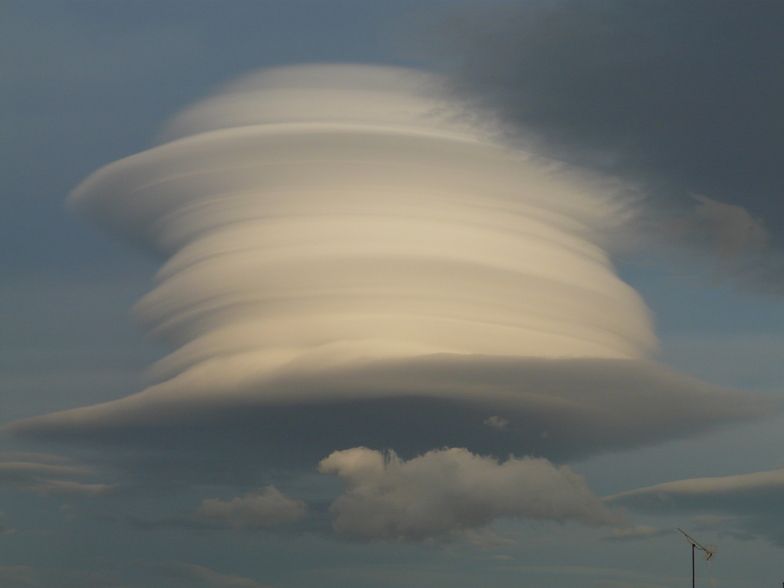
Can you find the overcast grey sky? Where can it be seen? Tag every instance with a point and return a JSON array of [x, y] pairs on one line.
[[674, 108]]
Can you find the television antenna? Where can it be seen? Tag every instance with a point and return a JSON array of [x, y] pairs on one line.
[[710, 551]]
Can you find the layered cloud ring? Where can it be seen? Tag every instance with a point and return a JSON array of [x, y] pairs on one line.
[[351, 259]]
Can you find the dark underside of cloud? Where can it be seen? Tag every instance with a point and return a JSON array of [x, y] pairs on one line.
[[681, 97], [559, 409]]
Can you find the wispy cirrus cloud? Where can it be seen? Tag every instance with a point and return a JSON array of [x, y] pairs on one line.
[[50, 475]]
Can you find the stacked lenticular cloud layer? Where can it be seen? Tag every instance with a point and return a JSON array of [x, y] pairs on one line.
[[333, 211], [340, 236]]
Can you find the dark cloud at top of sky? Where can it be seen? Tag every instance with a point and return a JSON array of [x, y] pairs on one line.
[[678, 97]]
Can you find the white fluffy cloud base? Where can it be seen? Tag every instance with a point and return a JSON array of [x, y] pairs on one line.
[[443, 493]]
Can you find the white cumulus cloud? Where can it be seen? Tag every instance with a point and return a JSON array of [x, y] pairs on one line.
[[449, 491]]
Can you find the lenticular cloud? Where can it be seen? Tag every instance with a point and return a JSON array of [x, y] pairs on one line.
[[334, 213], [352, 259]]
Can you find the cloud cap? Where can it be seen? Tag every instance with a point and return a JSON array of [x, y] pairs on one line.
[[389, 266]]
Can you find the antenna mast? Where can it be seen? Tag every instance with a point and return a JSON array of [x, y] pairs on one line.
[[710, 551]]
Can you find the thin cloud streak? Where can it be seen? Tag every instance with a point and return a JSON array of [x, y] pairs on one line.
[[754, 501], [50, 475]]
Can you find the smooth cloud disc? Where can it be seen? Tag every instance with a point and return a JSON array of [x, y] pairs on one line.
[[342, 236]]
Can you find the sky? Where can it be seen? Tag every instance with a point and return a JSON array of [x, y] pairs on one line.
[[395, 294]]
